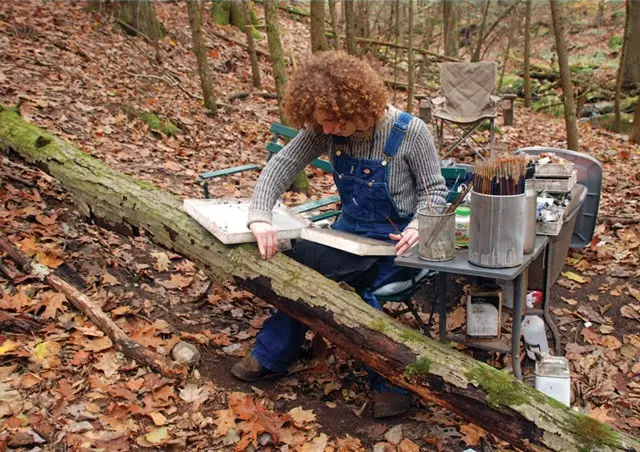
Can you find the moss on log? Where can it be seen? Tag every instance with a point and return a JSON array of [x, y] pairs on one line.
[[479, 393]]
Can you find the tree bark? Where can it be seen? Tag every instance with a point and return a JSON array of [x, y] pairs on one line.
[[411, 69], [350, 27], [527, 56], [490, 398], [557, 16], [631, 72], [138, 17], [634, 132], [476, 51], [615, 127], [195, 23], [318, 40], [251, 47], [276, 54], [450, 28], [334, 24]]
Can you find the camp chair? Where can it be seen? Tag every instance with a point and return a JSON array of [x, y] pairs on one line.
[[467, 100]]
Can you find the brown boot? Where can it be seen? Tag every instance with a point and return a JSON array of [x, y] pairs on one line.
[[249, 369], [388, 404]]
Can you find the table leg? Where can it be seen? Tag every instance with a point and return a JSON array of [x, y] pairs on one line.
[[546, 298], [442, 304], [516, 333]]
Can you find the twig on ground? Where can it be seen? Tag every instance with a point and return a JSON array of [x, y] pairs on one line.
[[128, 346]]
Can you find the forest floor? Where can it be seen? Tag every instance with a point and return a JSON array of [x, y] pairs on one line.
[[61, 380]]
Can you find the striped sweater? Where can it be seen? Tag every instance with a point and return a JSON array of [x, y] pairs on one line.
[[414, 172]]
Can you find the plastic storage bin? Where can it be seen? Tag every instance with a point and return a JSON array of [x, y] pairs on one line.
[[560, 243]]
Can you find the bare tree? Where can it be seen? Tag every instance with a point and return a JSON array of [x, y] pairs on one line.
[[350, 27], [276, 54], [410, 60], [557, 16], [527, 56], [625, 43], [634, 133], [334, 24], [318, 41], [195, 23], [631, 72], [251, 48], [450, 28], [137, 17], [480, 39]]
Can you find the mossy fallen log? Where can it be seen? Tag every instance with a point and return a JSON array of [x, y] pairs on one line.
[[435, 372]]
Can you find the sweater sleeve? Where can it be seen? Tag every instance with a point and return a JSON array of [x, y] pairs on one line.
[[281, 170], [425, 165]]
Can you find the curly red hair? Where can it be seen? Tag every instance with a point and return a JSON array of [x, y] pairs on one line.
[[343, 87]]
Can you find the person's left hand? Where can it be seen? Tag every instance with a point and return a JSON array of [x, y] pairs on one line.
[[407, 240]]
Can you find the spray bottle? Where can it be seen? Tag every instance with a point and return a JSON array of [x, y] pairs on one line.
[[533, 331]]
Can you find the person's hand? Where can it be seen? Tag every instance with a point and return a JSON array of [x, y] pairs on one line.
[[267, 236], [407, 240]]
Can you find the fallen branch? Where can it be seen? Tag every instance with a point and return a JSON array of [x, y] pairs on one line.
[[128, 346], [246, 94], [488, 397], [400, 46], [234, 41], [619, 220]]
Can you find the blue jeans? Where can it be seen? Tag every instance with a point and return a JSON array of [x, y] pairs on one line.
[[281, 337]]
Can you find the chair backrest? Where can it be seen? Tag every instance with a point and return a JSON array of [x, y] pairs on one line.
[[468, 86], [284, 133]]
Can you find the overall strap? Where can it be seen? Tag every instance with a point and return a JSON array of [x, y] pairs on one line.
[[397, 134]]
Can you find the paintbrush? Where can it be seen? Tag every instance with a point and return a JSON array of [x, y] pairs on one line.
[[394, 225]]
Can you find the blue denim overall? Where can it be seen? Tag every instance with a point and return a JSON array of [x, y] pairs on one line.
[[366, 204]]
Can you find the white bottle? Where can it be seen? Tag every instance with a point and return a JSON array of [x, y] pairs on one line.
[[533, 331]]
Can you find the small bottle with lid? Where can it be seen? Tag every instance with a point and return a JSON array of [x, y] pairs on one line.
[[463, 222]]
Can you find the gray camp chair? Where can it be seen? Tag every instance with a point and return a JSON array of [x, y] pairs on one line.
[[466, 100]]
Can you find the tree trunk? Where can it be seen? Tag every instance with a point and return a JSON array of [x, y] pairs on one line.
[[318, 41], [276, 54], [490, 398], [411, 69], [514, 29], [615, 127], [557, 16], [634, 132], [138, 17], [251, 47], [225, 12], [450, 28], [631, 72], [477, 50], [334, 24], [350, 27], [527, 56], [195, 23]]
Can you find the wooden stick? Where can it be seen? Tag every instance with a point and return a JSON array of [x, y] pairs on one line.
[[128, 346]]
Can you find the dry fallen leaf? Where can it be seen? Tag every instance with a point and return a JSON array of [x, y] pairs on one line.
[[574, 277], [471, 434], [406, 445], [301, 416], [601, 414]]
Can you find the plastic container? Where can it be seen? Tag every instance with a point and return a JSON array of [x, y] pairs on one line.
[[463, 224], [436, 232], [529, 217], [533, 331], [497, 230], [554, 378]]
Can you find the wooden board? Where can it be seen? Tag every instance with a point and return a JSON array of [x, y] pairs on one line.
[[227, 219], [352, 243]]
